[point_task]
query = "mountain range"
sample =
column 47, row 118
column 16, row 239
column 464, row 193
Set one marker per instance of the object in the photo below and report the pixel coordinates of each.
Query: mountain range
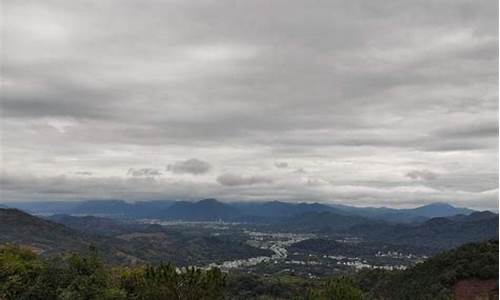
column 437, row 233
column 211, row 209
column 126, row 241
column 204, row 210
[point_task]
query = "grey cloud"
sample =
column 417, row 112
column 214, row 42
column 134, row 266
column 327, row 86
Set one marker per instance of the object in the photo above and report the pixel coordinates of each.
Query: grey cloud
column 84, row 173
column 474, row 130
column 300, row 171
column 281, row 165
column 27, row 188
column 144, row 172
column 314, row 83
column 229, row 179
column 191, row 166
column 422, row 175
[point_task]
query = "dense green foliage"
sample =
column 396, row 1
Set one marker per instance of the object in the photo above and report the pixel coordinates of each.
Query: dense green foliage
column 164, row 282
column 251, row 286
column 24, row 275
column 338, row 288
column 434, row 278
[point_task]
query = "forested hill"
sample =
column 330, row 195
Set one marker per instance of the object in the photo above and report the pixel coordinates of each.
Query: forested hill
column 119, row 243
column 435, row 278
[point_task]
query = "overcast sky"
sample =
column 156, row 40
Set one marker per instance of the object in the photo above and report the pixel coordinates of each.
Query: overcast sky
column 380, row 103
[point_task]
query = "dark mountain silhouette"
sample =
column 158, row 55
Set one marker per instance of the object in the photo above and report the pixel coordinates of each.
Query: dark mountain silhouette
column 120, row 208
column 204, row 210
column 211, row 209
column 475, row 216
column 18, row 227
column 410, row 215
column 92, row 224
column 439, row 233
column 278, row 209
column 104, row 207
column 437, row 210
column 322, row 222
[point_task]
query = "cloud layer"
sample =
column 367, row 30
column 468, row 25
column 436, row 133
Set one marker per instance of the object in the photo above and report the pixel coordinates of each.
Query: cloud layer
column 229, row 179
column 191, row 166
column 421, row 175
column 392, row 103
column 144, row 172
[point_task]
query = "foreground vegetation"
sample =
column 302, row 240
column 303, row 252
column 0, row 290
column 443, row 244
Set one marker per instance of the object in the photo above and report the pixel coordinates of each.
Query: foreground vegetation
column 25, row 275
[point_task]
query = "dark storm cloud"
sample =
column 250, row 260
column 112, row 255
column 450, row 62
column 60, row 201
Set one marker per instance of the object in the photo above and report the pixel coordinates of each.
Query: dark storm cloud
column 191, row 166
column 387, row 87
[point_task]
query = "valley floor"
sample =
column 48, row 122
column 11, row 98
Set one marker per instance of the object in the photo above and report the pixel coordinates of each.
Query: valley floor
column 294, row 253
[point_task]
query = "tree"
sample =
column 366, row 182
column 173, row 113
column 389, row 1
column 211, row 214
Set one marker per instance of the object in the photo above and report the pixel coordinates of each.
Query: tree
column 339, row 288
column 20, row 268
column 166, row 282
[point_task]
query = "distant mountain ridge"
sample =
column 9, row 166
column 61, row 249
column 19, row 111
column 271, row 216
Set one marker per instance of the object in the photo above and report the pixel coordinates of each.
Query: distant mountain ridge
column 280, row 209
column 139, row 209
column 203, row 210
column 437, row 209
column 406, row 215
column 439, row 232
column 212, row 209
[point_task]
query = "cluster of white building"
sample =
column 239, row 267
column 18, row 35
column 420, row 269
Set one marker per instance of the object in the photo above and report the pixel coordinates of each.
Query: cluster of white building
column 238, row 263
column 395, row 254
column 358, row 265
column 304, row 263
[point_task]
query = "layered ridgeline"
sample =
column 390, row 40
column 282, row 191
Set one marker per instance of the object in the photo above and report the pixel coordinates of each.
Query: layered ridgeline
column 127, row 240
column 211, row 209
column 438, row 233
column 434, row 227
column 25, row 275
column 120, row 242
